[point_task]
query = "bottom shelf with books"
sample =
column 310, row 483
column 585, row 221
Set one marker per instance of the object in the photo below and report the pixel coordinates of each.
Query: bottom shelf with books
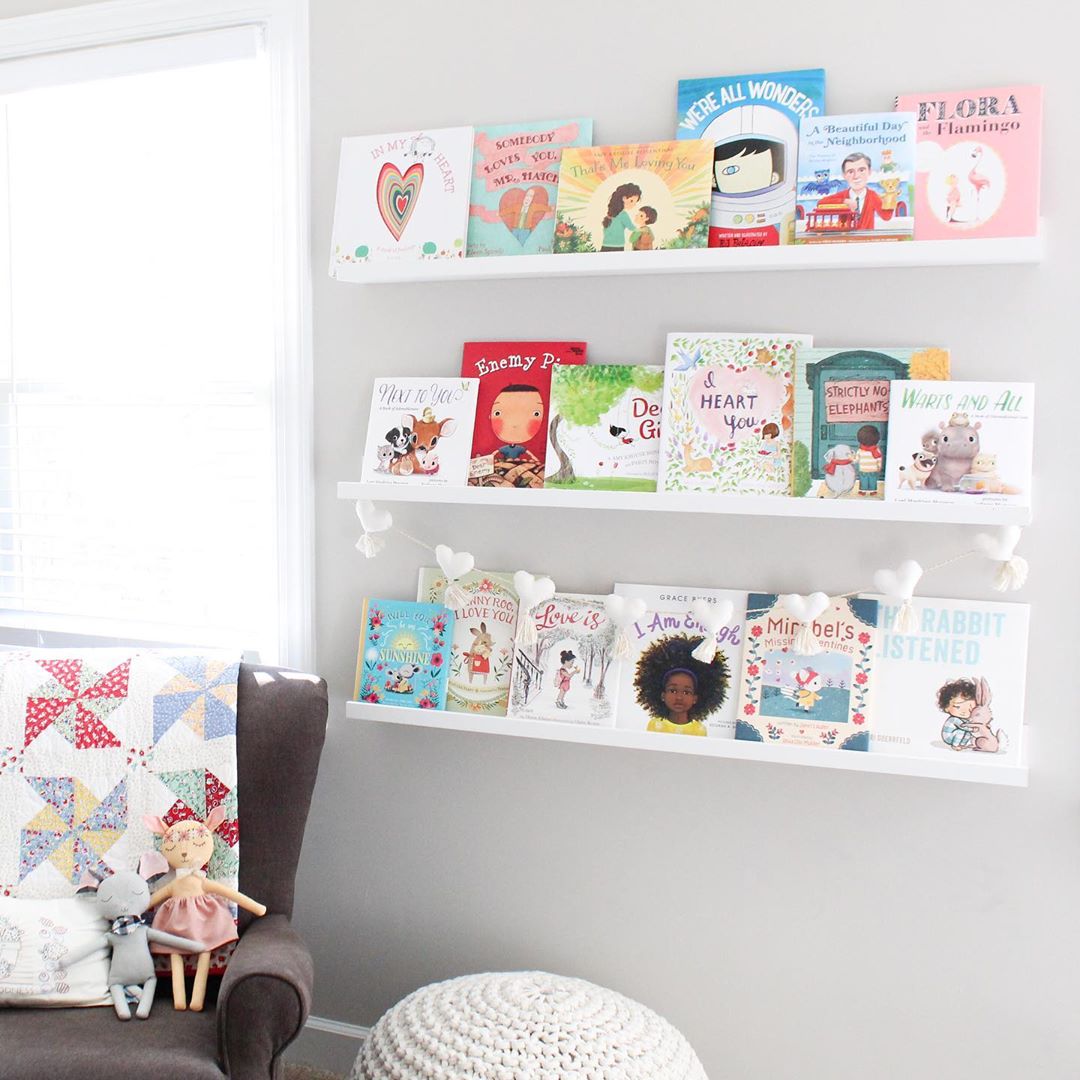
column 1013, row 776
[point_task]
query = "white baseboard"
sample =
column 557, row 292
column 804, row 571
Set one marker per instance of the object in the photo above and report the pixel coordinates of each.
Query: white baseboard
column 337, row 1027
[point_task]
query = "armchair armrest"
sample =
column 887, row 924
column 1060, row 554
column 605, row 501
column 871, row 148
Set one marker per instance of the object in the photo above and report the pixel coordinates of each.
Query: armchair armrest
column 265, row 998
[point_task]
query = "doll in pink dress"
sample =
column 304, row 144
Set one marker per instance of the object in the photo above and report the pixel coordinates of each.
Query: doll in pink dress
column 193, row 901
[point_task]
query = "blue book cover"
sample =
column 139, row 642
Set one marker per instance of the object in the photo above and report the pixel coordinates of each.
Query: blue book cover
column 404, row 654
column 753, row 121
column 515, row 181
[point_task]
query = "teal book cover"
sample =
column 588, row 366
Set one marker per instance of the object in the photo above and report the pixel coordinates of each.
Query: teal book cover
column 515, row 181
column 403, row 654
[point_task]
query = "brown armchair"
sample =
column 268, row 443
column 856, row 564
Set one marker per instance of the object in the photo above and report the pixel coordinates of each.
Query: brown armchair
column 265, row 995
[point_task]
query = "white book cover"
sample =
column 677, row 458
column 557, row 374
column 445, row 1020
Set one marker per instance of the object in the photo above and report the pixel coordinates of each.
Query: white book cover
column 570, row 674
column 662, row 688
column 960, row 442
column 402, row 196
column 419, row 431
column 953, row 689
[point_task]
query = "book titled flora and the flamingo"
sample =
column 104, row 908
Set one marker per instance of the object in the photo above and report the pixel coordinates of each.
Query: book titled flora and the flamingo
column 977, row 162
column 402, row 197
column 569, row 673
column 819, row 699
column 954, row 683
column 509, row 443
column 404, row 649
column 634, row 197
column 842, row 425
column 481, row 655
column 954, row 442
column 515, row 182
column 728, row 413
column 752, row 121
column 856, row 178
column 604, row 432
column 663, row 686
column 419, row 431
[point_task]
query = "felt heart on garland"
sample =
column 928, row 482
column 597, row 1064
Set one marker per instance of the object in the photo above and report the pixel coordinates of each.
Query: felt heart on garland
column 623, row 611
column 804, row 609
column 396, row 195
column 374, row 518
column 454, row 564
column 899, row 584
column 999, row 547
column 712, row 618
column 532, row 590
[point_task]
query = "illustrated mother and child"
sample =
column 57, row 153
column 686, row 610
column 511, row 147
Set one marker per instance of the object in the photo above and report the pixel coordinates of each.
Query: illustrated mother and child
column 626, row 224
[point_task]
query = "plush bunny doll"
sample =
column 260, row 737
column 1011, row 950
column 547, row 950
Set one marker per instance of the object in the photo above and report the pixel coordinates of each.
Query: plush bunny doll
column 121, row 899
column 191, row 904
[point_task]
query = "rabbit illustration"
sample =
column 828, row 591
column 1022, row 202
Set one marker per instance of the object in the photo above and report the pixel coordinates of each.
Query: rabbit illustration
column 983, row 737
column 479, row 652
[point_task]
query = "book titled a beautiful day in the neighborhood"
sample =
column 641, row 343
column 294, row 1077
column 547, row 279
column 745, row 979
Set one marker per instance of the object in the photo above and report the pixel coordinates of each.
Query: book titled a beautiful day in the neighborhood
column 604, row 432
column 419, row 431
column 402, row 659
column 728, row 413
column 753, row 123
column 402, row 196
column 634, row 197
column 820, row 700
column 510, row 435
column 978, row 434
column 977, row 161
column 515, row 182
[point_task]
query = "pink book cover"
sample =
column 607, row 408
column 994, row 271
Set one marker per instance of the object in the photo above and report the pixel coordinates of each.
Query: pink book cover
column 977, row 162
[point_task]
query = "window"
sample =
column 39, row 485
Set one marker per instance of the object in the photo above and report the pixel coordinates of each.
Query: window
column 154, row 370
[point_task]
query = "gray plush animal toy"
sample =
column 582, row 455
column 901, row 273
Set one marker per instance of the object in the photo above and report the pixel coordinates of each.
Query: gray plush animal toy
column 121, row 899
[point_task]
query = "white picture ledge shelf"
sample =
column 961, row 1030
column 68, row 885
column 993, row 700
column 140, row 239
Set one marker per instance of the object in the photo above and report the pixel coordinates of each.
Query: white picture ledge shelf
column 851, row 256
column 968, row 513
column 961, row 769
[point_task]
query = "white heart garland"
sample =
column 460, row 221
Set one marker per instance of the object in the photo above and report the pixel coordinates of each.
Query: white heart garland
column 455, row 565
column 531, row 591
column 804, row 610
column 712, row 618
column 374, row 520
column 623, row 611
column 1012, row 569
column 899, row 584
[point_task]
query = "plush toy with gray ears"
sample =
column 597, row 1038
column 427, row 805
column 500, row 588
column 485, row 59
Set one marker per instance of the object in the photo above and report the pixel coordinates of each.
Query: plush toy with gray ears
column 121, row 900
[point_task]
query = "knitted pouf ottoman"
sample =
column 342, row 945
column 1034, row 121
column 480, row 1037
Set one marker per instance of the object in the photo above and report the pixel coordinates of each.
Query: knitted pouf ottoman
column 523, row 1025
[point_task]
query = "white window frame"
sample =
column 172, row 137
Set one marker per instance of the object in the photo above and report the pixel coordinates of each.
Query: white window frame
column 284, row 28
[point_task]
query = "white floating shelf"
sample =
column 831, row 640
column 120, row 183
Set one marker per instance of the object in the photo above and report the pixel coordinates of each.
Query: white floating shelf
column 968, row 513
column 1013, row 776
column 849, row 256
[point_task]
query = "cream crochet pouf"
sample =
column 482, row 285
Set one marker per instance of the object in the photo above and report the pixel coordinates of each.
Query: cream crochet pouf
column 523, row 1025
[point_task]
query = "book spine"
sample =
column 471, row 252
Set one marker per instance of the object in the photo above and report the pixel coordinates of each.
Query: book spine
column 360, row 650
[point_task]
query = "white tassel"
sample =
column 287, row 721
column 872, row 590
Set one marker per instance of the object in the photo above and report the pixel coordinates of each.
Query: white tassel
column 369, row 545
column 526, row 631
column 1012, row 574
column 621, row 650
column 455, row 597
column 907, row 622
column 705, row 651
column 805, row 642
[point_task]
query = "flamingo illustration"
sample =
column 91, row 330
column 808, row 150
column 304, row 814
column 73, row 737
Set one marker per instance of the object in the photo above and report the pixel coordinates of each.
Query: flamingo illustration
column 977, row 180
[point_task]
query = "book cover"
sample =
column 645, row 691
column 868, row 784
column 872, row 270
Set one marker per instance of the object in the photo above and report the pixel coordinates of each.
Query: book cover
column 820, row 700
column 752, row 121
column 961, row 441
column 953, row 688
column 604, row 432
column 842, row 428
column 509, row 442
column 481, row 655
column 403, row 653
column 515, row 181
column 977, row 160
column 570, row 674
column 419, row 431
column 634, row 197
column 662, row 687
column 856, row 178
column 402, row 196
column 728, row 413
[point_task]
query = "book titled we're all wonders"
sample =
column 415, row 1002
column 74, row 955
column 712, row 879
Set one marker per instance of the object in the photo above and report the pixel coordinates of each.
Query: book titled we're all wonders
column 403, row 654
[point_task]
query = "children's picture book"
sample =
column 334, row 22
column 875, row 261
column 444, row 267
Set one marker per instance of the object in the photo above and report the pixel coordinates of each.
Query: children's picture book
column 509, row 444
column 402, row 196
column 842, row 427
column 977, row 159
column 604, row 432
column 819, row 700
column 403, row 654
column 956, row 442
column 728, row 413
column 662, row 687
column 570, row 674
column 419, row 431
column 481, row 655
column 856, row 178
column 515, row 182
column 953, row 688
column 634, row 197
column 752, row 121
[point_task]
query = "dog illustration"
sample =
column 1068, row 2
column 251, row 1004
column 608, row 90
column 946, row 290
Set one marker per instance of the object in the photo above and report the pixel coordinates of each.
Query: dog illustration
column 914, row 475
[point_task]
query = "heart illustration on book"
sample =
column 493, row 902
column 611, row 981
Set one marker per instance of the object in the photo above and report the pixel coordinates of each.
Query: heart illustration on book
column 374, row 518
column 454, row 564
column 396, row 195
column 899, row 584
column 521, row 210
column 729, row 404
column 804, row 609
column 532, row 590
column 623, row 611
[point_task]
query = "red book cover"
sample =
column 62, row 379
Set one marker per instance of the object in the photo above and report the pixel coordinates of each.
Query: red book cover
column 510, row 435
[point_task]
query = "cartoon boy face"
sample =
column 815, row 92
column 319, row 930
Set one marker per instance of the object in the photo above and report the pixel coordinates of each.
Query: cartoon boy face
column 746, row 172
column 857, row 173
column 961, row 706
column 517, row 414
column 680, row 695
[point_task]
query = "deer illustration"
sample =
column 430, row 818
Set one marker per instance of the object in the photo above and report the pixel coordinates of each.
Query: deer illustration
column 693, row 464
column 424, row 434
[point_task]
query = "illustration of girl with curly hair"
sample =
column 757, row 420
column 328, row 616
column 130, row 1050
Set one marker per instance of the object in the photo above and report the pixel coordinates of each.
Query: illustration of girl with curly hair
column 676, row 690
column 617, row 221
